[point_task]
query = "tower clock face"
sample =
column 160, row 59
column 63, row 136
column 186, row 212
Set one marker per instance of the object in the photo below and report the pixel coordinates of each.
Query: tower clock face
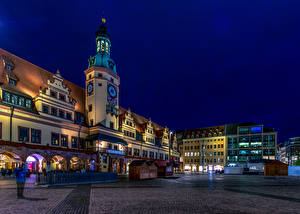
column 112, row 94
column 90, row 88
column 112, row 91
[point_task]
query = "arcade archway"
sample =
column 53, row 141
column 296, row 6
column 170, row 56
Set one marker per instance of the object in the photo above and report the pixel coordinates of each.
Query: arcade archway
column 58, row 163
column 91, row 165
column 76, row 163
column 9, row 160
column 35, row 163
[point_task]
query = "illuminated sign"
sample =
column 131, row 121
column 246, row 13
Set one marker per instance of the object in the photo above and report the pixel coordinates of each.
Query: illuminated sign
column 256, row 129
column 117, row 152
column 169, row 169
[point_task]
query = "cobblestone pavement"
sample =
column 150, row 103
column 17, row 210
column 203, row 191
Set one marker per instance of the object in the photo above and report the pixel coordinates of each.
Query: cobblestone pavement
column 187, row 194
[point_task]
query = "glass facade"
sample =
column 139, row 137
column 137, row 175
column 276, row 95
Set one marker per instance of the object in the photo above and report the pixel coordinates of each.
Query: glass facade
column 251, row 144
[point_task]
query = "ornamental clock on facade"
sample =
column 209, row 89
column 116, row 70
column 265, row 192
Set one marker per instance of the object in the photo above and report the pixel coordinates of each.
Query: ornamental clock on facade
column 90, row 88
column 112, row 94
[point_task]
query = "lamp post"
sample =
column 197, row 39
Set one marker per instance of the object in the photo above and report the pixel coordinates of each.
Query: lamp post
column 170, row 143
column 11, row 116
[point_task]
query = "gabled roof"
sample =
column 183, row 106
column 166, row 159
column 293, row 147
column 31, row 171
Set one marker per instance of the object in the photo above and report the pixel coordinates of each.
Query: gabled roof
column 32, row 78
column 141, row 122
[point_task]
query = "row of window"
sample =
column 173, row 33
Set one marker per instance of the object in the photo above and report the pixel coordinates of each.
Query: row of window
column 250, row 130
column 103, row 46
column 187, row 154
column 29, row 135
column 251, row 152
column 208, row 140
column 146, row 154
column 128, row 123
column 63, row 140
column 220, row 146
column 57, row 95
column 251, row 145
column 56, row 112
column 129, row 134
column 151, row 140
column 16, row 100
column 205, row 161
column 215, row 134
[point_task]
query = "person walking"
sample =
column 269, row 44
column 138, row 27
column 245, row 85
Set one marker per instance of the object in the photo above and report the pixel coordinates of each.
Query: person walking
column 20, row 180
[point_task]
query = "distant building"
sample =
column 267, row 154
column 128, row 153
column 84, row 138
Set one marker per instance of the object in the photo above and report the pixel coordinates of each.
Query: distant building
column 202, row 149
column 281, row 153
column 212, row 148
column 250, row 142
column 293, row 150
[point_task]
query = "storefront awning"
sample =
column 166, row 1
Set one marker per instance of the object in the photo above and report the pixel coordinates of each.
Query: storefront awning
column 107, row 138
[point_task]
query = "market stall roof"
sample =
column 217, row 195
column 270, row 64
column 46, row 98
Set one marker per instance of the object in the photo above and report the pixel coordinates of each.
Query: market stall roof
column 107, row 138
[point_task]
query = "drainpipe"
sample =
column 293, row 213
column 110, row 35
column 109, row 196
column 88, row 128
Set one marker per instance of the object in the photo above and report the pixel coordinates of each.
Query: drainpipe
column 10, row 128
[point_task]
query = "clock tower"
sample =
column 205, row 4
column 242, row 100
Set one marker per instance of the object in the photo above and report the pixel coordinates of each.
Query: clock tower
column 102, row 84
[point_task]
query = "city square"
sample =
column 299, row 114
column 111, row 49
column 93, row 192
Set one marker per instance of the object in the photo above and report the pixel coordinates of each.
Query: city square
column 191, row 193
column 149, row 107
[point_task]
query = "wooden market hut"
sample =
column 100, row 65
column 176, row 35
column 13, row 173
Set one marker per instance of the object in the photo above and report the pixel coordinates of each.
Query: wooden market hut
column 142, row 169
column 275, row 168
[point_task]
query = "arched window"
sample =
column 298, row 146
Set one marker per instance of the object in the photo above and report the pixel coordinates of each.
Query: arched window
column 106, row 47
column 98, row 46
column 102, row 45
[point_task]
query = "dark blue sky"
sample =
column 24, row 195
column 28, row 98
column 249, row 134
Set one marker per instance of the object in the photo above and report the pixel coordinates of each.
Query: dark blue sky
column 185, row 64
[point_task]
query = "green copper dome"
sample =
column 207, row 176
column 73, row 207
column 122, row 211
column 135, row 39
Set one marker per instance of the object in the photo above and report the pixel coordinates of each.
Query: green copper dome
column 102, row 58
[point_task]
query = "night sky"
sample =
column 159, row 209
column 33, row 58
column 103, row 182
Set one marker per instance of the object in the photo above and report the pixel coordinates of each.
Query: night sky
column 185, row 64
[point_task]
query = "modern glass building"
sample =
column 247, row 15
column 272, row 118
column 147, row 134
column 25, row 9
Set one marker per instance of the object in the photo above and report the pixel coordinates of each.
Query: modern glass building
column 293, row 150
column 250, row 142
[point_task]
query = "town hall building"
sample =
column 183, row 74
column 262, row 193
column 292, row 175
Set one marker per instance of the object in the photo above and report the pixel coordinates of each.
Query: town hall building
column 51, row 123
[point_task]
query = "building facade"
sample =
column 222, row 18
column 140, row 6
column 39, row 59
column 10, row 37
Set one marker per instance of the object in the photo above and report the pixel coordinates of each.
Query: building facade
column 49, row 122
column 212, row 148
column 292, row 150
column 250, row 142
column 203, row 149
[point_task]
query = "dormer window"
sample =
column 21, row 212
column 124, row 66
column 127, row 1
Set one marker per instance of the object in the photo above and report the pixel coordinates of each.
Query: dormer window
column 8, row 65
column 12, row 82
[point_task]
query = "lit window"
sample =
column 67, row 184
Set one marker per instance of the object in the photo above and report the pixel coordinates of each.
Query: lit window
column 55, row 139
column 28, row 103
column 106, row 47
column 98, row 46
column 21, row 101
column 14, row 99
column 64, row 140
column 102, row 45
column 6, row 96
